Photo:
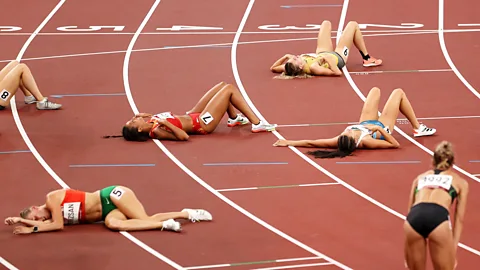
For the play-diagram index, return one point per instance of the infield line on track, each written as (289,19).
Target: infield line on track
(275,187)
(7,264)
(310,161)
(196,46)
(295,266)
(39,157)
(193,175)
(252,263)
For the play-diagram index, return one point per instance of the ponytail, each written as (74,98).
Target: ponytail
(329,154)
(112,136)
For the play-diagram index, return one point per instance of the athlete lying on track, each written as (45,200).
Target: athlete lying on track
(201,119)
(117,206)
(326,61)
(433,192)
(16,75)
(372,132)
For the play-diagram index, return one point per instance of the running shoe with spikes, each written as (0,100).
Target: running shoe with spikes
(46,104)
(423,130)
(238,121)
(372,62)
(195,215)
(263,127)
(171,225)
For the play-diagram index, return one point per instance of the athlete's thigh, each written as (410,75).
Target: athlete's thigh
(216,108)
(9,85)
(324,39)
(441,247)
(415,248)
(127,202)
(391,110)
(370,107)
(6,69)
(113,219)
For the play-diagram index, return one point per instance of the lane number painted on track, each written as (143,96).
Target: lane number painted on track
(277,27)
(190,28)
(10,28)
(74,28)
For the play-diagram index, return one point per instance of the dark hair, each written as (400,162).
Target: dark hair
(291,69)
(131,134)
(346,145)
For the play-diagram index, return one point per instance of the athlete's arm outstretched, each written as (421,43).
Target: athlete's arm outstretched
(279,65)
(320,143)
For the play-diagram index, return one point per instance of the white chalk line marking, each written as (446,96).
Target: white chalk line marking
(259,115)
(195,46)
(363,98)
(228,32)
(251,263)
(295,266)
(7,264)
(399,120)
(446,55)
(277,187)
(40,158)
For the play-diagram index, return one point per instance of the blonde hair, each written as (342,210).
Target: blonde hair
(284,76)
(24,213)
(443,156)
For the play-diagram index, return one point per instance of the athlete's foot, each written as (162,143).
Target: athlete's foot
(195,215)
(238,121)
(262,127)
(30,100)
(171,225)
(372,62)
(45,104)
(423,131)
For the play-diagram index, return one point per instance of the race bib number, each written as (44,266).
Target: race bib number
(163,115)
(207,118)
(4,95)
(435,181)
(71,213)
(117,193)
(345,51)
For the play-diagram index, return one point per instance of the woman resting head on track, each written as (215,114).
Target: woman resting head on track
(16,75)
(117,206)
(373,132)
(201,119)
(326,61)
(432,194)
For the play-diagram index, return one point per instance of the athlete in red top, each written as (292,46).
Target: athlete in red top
(117,206)
(201,119)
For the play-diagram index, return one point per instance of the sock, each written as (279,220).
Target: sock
(365,57)
(260,121)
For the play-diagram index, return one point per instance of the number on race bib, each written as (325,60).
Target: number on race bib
(117,193)
(4,95)
(435,181)
(207,118)
(345,51)
(163,115)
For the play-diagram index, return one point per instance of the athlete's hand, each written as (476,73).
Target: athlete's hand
(289,56)
(281,143)
(372,127)
(22,230)
(12,220)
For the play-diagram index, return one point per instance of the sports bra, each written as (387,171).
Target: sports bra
(311,58)
(73,207)
(365,131)
(437,180)
(165,115)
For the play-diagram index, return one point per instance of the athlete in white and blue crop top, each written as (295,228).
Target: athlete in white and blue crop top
(372,131)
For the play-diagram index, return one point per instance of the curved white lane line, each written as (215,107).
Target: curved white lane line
(441,12)
(203,183)
(34,151)
(359,93)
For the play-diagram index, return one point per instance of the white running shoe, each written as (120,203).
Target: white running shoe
(262,127)
(238,121)
(423,131)
(171,225)
(30,100)
(197,214)
(45,104)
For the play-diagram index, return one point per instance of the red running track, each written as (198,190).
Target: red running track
(328,219)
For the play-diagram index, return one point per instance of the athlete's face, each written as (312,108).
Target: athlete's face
(38,213)
(138,123)
(297,61)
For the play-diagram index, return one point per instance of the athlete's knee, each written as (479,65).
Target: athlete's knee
(398,91)
(353,24)
(327,23)
(114,224)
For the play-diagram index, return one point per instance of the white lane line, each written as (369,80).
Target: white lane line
(359,93)
(37,155)
(441,7)
(242,89)
(195,46)
(297,266)
(277,187)
(7,264)
(250,263)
